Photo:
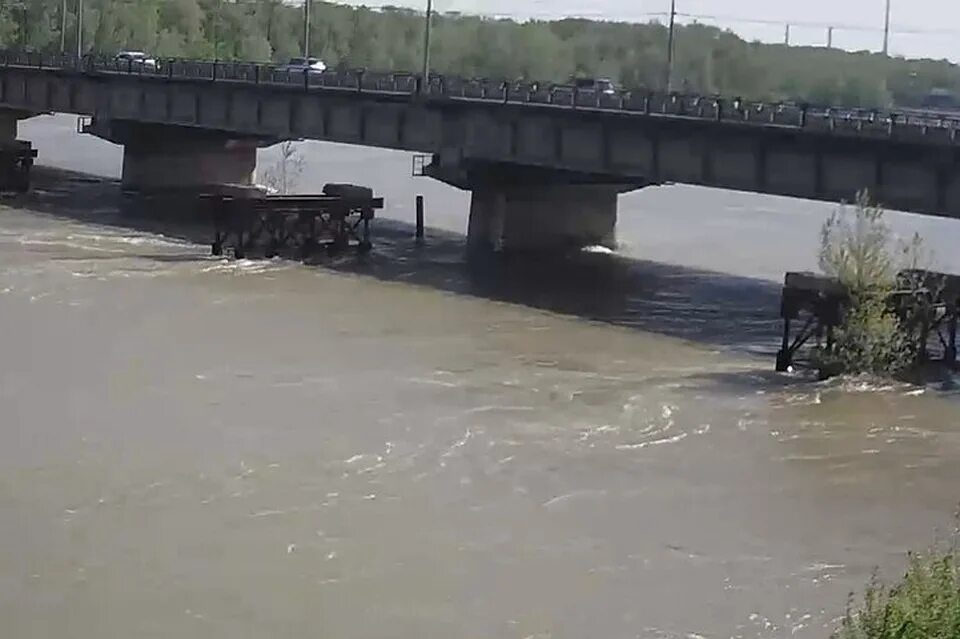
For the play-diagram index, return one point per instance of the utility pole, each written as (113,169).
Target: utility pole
(886,31)
(63,27)
(670,36)
(306,29)
(426,45)
(786,35)
(79,30)
(829,37)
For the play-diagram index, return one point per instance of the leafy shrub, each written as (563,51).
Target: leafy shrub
(858,249)
(925,604)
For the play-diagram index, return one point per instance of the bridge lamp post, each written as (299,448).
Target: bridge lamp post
(426,44)
(216,30)
(306,29)
(670,36)
(886,30)
(79,29)
(63,27)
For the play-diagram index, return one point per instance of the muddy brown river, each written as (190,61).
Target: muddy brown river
(410,445)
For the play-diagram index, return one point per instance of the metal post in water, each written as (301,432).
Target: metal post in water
(419,217)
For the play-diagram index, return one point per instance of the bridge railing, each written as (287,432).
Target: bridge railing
(850,121)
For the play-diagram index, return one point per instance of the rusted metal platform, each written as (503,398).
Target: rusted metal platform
(16,161)
(275,224)
(813,306)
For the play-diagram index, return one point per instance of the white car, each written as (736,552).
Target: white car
(598,85)
(299,65)
(135,60)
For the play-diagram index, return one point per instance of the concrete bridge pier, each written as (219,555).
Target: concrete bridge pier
(536,218)
(181,163)
(168,160)
(9,121)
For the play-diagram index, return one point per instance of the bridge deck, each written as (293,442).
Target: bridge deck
(484,132)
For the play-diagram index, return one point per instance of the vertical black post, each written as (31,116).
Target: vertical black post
(951,354)
(784,357)
(419,217)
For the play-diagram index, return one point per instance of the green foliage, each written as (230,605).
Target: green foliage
(708,59)
(871,339)
(857,249)
(924,605)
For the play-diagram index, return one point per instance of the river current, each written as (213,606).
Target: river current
(412,446)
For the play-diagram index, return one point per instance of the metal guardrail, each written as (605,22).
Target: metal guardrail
(861,122)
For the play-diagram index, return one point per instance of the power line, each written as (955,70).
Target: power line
(816,25)
(720,18)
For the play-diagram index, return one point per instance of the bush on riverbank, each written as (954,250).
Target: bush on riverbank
(858,249)
(925,604)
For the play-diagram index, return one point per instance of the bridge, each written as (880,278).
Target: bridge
(545,164)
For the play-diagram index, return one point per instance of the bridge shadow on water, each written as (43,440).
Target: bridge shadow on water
(720,311)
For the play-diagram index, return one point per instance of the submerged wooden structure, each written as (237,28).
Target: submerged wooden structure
(270,225)
(812,307)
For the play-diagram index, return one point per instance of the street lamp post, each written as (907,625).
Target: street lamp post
(216,31)
(79,29)
(426,44)
(63,27)
(673,21)
(886,30)
(306,29)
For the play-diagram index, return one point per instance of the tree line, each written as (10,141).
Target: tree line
(708,59)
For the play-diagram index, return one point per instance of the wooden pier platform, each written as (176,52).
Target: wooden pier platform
(812,307)
(268,225)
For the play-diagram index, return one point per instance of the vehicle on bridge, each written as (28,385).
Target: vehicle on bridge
(299,65)
(135,60)
(941,101)
(603,86)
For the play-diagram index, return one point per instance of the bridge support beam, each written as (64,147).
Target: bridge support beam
(553,217)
